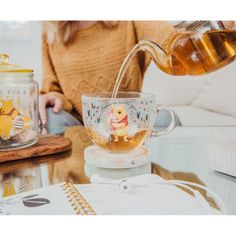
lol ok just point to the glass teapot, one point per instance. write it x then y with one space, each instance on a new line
194 48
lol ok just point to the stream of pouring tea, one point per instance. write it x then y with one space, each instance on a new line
124 68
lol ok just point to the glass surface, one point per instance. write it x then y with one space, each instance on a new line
183 154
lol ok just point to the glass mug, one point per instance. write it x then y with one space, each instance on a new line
123 123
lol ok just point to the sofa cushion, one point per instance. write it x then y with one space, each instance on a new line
193 116
219 93
172 90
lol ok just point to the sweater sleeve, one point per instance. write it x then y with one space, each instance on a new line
50 84
156 31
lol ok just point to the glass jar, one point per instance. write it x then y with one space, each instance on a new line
18 106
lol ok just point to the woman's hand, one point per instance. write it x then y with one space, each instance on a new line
48 100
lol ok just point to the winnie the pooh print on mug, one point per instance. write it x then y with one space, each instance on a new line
118 121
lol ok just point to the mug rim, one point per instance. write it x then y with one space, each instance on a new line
102 95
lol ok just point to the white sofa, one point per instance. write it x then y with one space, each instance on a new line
208 100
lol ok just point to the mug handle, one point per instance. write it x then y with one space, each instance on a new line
156 133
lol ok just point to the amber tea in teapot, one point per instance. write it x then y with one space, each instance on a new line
194 48
194 55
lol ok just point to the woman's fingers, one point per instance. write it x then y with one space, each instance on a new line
57 105
48 101
42 109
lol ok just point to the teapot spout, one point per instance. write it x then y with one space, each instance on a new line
159 55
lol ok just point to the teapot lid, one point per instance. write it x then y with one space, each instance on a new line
192 25
6 67
186 25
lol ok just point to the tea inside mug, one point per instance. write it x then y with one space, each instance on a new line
122 143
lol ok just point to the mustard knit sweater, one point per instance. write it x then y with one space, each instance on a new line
90 63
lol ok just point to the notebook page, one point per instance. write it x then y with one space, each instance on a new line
149 199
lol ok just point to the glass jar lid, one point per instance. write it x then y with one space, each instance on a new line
5 67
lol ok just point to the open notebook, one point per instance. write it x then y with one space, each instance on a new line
106 199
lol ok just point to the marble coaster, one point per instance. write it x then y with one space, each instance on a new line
98 157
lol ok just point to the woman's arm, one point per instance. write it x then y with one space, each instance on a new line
50 84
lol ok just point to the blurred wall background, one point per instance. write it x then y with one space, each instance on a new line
21 40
